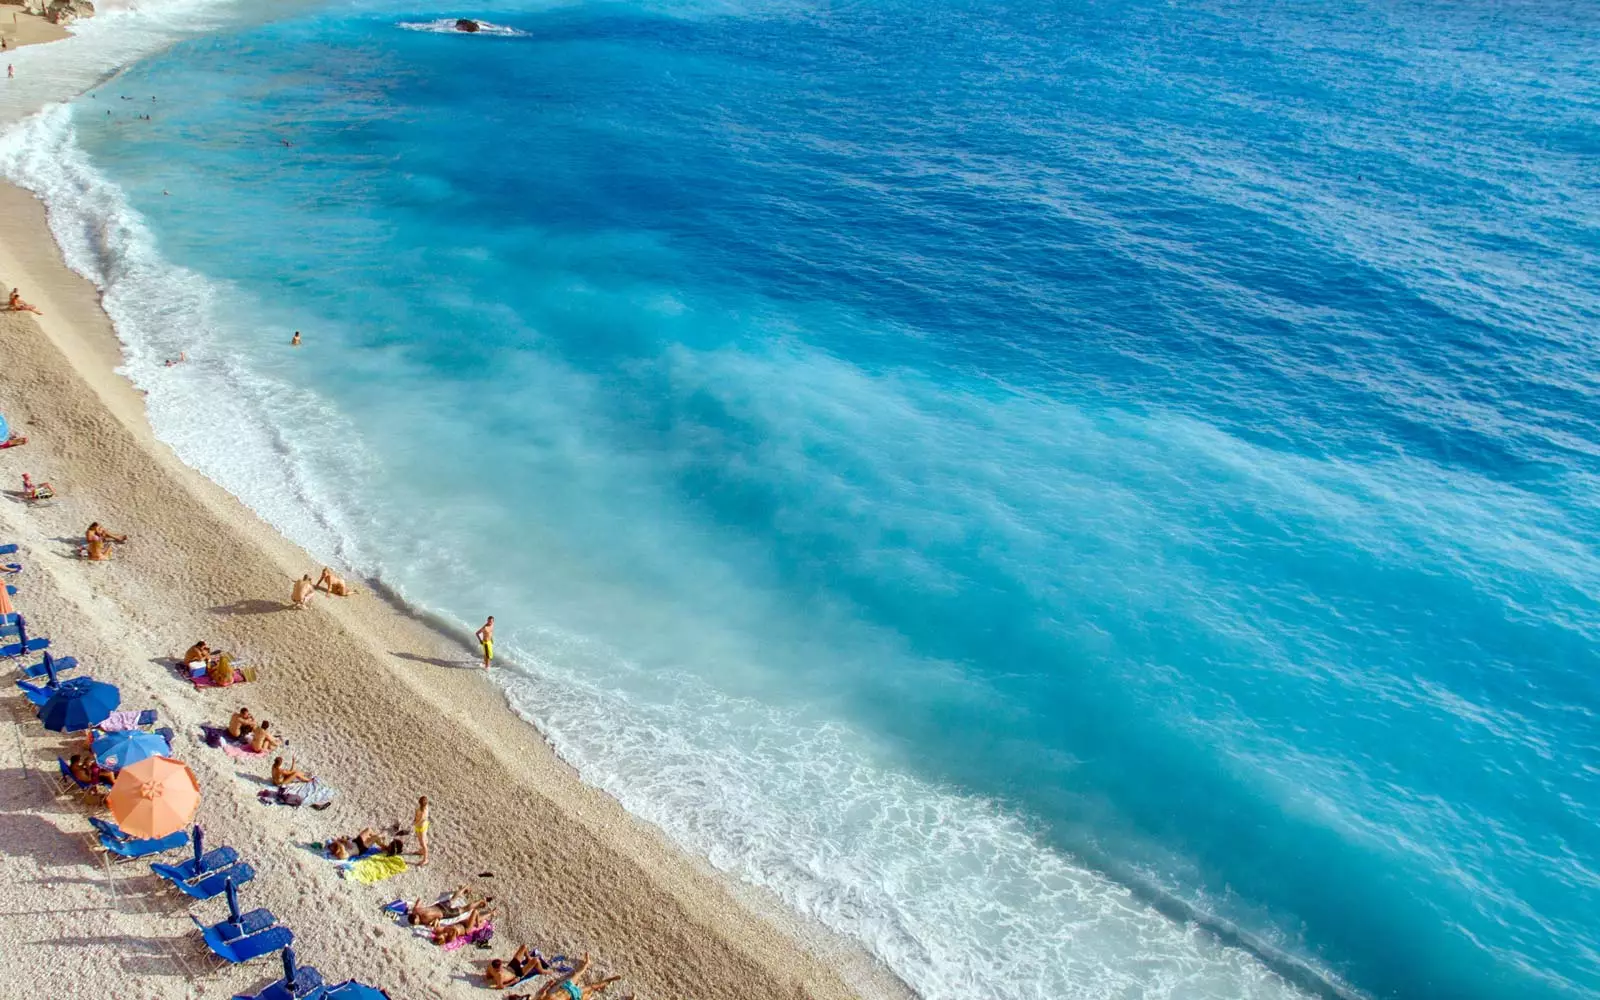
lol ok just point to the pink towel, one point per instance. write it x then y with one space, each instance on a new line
202 681
483 933
242 753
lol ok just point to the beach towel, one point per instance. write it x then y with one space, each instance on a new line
119 722
313 793
370 870
217 736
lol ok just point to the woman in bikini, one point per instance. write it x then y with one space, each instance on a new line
284 775
567 987
419 826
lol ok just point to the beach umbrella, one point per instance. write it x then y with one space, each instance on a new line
79 704
235 916
6 607
5 429
155 797
118 750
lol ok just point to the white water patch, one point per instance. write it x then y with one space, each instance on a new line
955 895
120 32
254 435
447 26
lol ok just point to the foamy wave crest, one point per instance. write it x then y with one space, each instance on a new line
256 436
447 26
957 897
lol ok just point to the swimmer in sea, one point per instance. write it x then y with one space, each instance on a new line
295 340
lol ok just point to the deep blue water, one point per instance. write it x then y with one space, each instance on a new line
1102 492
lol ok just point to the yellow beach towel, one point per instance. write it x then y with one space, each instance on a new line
374 869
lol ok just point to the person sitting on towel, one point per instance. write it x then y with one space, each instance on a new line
200 653
261 740
282 775
241 724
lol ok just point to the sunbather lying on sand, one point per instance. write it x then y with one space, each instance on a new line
303 589
15 304
282 775
420 914
498 975
568 984
333 584
471 921
344 848
241 724
261 741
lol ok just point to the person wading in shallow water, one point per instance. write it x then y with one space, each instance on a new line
486 640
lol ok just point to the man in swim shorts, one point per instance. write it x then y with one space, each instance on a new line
486 640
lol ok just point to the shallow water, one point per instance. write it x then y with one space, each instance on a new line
1093 503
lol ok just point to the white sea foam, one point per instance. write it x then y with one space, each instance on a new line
447 26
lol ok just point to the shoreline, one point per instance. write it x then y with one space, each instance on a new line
372 697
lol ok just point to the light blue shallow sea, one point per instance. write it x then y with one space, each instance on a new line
1091 499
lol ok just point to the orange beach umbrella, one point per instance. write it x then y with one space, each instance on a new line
5 602
154 797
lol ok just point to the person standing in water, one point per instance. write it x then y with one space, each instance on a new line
486 640
295 342
419 826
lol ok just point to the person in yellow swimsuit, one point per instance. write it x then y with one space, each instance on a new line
419 826
486 640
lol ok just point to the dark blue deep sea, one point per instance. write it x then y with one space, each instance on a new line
1092 499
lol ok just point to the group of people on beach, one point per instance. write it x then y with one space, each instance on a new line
300 596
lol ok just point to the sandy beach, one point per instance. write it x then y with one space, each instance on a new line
372 699
20 28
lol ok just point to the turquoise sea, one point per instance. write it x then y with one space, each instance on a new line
1091 500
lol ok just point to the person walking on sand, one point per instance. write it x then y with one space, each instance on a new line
419 826
486 640
303 589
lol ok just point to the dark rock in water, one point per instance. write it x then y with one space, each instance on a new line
466 24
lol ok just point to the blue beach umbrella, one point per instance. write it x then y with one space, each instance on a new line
235 916
5 429
79 704
117 750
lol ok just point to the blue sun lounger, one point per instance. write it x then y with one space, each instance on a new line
214 860
130 849
62 665
307 986
211 884
248 947
253 922
108 828
70 780
33 646
299 982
